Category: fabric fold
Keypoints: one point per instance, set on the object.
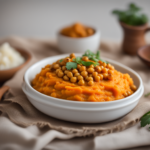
(20, 111)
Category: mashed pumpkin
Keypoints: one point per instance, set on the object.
(48, 82)
(77, 30)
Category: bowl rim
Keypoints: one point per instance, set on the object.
(20, 50)
(140, 49)
(97, 32)
(82, 109)
(80, 102)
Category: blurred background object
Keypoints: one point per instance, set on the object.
(133, 15)
(77, 38)
(144, 54)
(135, 25)
(18, 59)
(44, 18)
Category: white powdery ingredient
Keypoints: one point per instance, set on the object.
(9, 57)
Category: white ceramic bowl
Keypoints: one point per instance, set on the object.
(82, 112)
(78, 45)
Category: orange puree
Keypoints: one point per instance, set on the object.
(47, 82)
(77, 30)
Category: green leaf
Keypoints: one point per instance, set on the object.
(146, 95)
(94, 59)
(61, 60)
(98, 55)
(95, 64)
(78, 60)
(131, 16)
(117, 12)
(87, 63)
(145, 120)
(133, 7)
(89, 54)
(71, 65)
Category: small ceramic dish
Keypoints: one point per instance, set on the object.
(78, 45)
(8, 73)
(81, 112)
(144, 54)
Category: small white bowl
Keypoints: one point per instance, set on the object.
(78, 45)
(82, 112)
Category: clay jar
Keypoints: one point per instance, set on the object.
(134, 37)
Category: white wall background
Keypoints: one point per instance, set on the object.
(43, 18)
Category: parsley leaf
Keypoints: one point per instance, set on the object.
(87, 63)
(146, 95)
(89, 53)
(94, 57)
(98, 55)
(145, 120)
(95, 64)
(77, 60)
(61, 60)
(71, 65)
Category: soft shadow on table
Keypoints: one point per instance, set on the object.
(138, 148)
(139, 67)
(86, 143)
(81, 144)
(1, 84)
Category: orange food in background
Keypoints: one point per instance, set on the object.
(48, 83)
(77, 30)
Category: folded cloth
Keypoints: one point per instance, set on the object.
(13, 137)
(16, 106)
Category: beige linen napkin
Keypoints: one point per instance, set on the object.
(21, 112)
(13, 137)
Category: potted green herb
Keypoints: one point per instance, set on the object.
(134, 24)
(145, 119)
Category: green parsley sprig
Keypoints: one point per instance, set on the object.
(148, 94)
(94, 57)
(78, 60)
(61, 60)
(145, 120)
(71, 65)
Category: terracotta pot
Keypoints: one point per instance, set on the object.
(134, 37)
